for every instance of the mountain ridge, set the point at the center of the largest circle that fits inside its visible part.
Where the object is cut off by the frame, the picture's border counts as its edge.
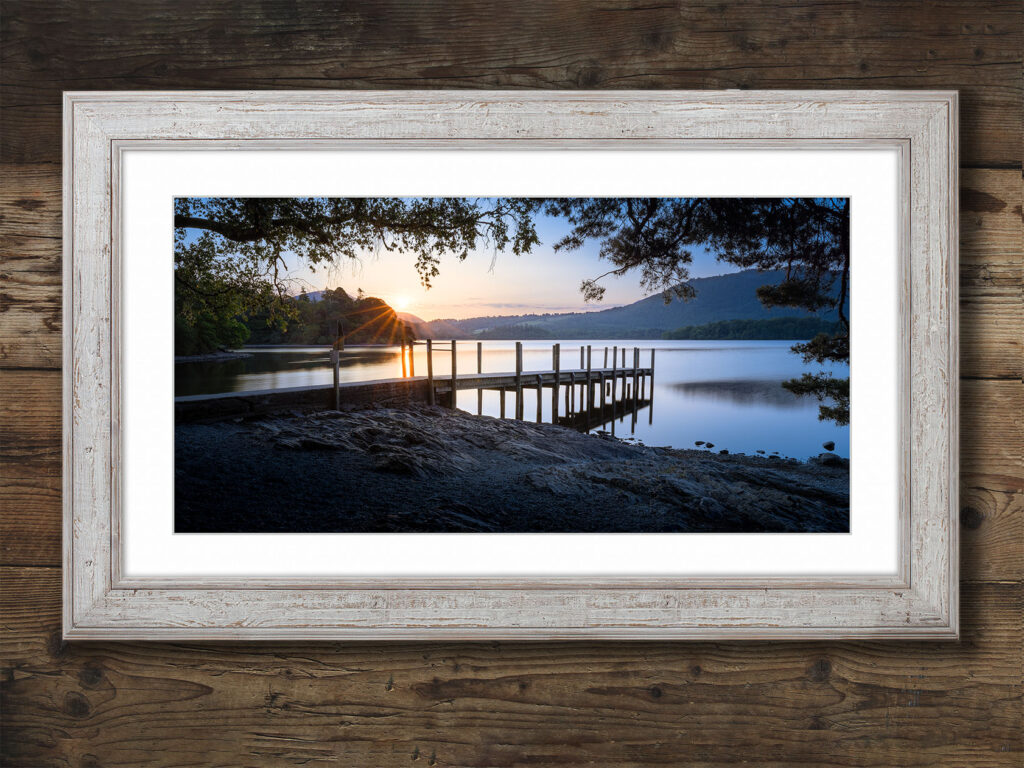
(732, 296)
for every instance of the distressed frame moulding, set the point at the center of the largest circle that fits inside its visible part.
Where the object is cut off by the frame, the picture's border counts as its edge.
(919, 601)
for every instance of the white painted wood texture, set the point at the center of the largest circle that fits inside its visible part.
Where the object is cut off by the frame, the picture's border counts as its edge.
(921, 602)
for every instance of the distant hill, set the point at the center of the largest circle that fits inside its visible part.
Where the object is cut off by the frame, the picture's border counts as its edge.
(719, 298)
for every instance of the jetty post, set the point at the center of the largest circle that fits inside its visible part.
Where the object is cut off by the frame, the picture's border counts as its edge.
(519, 380)
(405, 372)
(454, 380)
(615, 373)
(556, 355)
(650, 405)
(430, 371)
(501, 398)
(412, 357)
(479, 369)
(581, 357)
(636, 371)
(335, 367)
(571, 407)
(590, 385)
(540, 398)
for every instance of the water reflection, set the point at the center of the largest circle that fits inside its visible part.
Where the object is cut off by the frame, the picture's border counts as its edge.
(741, 392)
(725, 392)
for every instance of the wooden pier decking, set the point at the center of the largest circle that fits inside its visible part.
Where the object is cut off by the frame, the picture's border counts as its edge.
(586, 395)
(633, 378)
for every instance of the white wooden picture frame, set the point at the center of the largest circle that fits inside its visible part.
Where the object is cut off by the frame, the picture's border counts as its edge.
(918, 600)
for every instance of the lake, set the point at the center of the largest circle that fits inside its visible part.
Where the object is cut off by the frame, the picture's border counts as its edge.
(725, 392)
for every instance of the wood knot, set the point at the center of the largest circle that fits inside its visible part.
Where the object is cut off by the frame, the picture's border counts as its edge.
(971, 518)
(820, 671)
(76, 705)
(90, 677)
(655, 692)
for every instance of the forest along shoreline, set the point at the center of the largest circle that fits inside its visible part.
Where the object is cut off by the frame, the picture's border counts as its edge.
(417, 468)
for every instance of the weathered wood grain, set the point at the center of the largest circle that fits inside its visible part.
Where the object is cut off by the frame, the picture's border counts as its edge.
(460, 704)
(30, 423)
(974, 47)
(991, 275)
(839, 704)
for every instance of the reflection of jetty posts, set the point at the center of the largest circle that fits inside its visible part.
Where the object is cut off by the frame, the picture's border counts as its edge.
(604, 380)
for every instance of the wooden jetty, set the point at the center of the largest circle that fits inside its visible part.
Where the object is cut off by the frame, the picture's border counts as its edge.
(586, 396)
(589, 382)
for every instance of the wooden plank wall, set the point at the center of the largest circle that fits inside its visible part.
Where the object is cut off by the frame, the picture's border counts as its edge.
(497, 704)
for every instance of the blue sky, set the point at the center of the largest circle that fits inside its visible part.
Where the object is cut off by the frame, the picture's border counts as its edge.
(489, 282)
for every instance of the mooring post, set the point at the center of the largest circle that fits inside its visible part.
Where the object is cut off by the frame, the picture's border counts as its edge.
(571, 407)
(404, 371)
(540, 398)
(479, 370)
(581, 357)
(412, 357)
(519, 379)
(335, 366)
(501, 398)
(454, 382)
(567, 396)
(430, 371)
(600, 384)
(556, 354)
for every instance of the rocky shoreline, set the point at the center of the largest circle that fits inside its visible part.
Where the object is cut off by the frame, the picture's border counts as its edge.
(429, 469)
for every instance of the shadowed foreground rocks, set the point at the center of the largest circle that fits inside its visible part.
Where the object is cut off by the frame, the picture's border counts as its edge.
(432, 469)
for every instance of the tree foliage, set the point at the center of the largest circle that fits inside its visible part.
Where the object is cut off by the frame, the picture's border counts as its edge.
(329, 229)
(649, 235)
(213, 289)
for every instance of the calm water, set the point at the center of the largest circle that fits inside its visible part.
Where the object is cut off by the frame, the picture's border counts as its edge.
(725, 392)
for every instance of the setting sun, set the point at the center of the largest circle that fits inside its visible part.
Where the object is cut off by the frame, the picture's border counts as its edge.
(401, 303)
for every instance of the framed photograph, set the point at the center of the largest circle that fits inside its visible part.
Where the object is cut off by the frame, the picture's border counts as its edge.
(467, 364)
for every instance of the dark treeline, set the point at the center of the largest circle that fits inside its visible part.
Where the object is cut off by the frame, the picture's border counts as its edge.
(583, 331)
(363, 320)
(791, 328)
